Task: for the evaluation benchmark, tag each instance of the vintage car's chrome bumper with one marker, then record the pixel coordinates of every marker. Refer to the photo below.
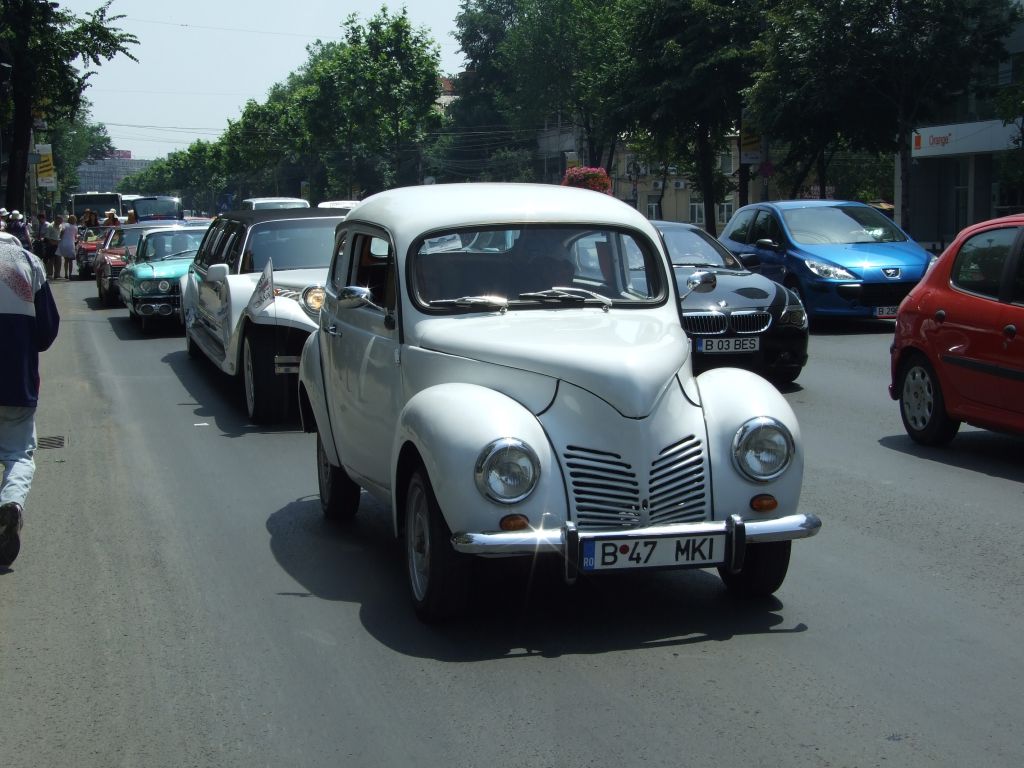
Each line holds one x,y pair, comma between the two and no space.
566,540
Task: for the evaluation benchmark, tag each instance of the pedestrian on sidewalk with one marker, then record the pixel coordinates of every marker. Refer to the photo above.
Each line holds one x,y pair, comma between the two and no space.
16,226
39,236
28,326
67,245
52,236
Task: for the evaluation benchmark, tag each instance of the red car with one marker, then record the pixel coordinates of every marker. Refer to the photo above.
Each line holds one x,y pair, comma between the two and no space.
958,353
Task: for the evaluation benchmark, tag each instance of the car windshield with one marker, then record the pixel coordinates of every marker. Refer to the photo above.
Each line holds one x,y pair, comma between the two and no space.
694,247
125,238
841,224
262,205
536,266
158,208
290,244
178,244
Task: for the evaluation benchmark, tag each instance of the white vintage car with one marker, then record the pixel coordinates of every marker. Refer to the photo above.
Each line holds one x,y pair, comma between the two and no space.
504,366
261,340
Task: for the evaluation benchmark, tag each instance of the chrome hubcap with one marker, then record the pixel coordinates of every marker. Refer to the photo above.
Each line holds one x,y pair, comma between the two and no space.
918,397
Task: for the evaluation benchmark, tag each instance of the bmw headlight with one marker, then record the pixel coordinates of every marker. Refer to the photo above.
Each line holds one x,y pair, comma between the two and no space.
163,286
146,286
826,270
507,471
762,449
313,298
794,314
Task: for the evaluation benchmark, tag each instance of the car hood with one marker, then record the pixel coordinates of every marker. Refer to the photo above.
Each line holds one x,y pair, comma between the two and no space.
860,256
626,358
296,279
733,290
171,269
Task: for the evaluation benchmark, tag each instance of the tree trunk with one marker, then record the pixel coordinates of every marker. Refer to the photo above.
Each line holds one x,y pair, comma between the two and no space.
706,174
822,191
903,137
17,162
742,176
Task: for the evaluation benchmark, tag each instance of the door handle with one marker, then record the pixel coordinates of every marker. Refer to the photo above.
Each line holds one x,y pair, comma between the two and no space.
1010,331
333,330
940,315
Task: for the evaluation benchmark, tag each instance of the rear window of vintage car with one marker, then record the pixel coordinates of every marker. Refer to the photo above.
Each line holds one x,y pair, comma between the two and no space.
290,244
529,265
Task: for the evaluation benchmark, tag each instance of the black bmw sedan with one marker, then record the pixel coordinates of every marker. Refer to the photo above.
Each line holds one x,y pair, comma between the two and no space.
746,321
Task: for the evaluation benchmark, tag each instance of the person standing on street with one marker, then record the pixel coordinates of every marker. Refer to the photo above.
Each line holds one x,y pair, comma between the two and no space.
28,325
39,236
67,245
16,226
52,237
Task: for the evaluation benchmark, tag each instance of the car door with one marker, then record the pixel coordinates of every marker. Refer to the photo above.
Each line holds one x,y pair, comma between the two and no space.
766,229
970,320
1010,355
213,305
360,354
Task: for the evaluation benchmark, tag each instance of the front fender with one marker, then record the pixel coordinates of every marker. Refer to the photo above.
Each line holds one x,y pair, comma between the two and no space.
449,425
313,397
731,396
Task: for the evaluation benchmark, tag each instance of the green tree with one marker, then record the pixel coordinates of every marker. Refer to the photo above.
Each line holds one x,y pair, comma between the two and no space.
44,42
76,141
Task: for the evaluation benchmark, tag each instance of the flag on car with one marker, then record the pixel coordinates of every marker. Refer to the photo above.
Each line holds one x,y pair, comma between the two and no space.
264,293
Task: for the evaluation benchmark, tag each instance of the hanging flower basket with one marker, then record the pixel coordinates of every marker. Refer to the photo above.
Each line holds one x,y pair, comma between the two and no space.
588,178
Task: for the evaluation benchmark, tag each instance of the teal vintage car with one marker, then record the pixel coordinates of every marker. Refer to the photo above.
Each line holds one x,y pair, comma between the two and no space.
150,282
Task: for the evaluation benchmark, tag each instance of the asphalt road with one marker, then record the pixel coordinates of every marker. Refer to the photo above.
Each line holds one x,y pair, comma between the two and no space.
180,602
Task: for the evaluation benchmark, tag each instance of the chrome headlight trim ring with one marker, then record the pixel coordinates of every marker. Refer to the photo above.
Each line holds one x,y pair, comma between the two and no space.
495,461
757,436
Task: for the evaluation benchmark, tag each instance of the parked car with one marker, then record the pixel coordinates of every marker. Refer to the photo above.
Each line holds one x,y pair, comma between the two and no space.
252,296
117,250
275,203
150,283
958,351
503,366
343,206
746,321
85,252
844,259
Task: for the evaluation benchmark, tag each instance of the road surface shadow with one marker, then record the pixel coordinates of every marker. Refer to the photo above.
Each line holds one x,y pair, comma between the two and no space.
517,608
127,329
988,453
218,398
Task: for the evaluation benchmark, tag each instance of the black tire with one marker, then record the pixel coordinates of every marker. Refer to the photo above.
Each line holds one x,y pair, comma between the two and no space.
266,393
438,575
764,569
109,297
922,407
191,347
339,495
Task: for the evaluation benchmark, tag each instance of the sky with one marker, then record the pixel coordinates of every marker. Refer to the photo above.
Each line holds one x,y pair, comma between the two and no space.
199,61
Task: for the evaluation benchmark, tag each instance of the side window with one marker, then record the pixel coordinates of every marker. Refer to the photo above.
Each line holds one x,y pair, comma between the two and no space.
1018,283
338,263
979,263
766,227
372,261
209,244
739,227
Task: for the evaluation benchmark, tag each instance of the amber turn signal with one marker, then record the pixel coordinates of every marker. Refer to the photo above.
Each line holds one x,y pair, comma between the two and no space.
764,502
515,523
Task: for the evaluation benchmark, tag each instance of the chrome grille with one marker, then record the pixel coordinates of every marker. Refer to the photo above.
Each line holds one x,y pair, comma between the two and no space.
607,492
750,321
705,323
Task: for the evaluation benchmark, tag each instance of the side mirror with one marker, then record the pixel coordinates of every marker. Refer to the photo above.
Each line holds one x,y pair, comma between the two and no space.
701,282
768,244
750,260
217,273
354,296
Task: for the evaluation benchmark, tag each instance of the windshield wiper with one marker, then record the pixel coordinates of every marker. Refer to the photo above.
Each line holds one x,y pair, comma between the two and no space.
494,302
567,295
178,255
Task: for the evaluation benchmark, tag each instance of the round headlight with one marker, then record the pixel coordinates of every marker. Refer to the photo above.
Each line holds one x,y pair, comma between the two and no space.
145,286
762,449
313,298
163,286
507,471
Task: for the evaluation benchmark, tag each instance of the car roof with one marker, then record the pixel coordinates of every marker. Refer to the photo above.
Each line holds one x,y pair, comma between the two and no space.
409,212
274,199
788,205
661,224
272,214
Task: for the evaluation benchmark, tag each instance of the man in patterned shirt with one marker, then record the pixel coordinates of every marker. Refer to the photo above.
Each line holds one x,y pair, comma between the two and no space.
28,325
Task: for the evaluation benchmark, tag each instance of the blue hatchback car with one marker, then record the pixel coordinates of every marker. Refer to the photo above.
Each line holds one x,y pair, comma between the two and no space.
845,259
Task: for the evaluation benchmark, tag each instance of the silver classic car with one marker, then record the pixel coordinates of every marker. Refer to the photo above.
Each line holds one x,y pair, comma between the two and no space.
504,367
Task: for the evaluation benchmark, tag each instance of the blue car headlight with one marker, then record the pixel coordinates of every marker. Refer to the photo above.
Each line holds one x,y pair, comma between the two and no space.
827,270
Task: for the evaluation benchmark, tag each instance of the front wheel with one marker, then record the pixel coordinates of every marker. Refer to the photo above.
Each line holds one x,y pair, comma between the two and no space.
922,406
438,575
266,395
764,569
339,495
